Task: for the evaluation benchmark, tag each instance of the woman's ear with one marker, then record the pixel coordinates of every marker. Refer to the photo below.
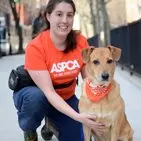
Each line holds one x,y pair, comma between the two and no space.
48,16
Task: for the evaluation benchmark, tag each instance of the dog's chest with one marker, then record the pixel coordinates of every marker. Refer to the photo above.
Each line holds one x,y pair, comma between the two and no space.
104,114
105,110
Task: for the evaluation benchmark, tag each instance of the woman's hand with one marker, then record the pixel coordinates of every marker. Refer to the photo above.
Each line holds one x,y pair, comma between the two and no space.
90,121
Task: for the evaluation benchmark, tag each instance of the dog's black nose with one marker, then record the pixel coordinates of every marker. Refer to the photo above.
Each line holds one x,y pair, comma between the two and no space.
105,76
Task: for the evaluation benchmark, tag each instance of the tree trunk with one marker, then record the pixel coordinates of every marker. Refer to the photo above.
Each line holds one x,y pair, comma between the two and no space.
95,12
17,25
106,22
92,11
0,47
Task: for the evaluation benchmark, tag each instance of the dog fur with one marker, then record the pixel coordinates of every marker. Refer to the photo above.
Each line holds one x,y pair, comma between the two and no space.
110,110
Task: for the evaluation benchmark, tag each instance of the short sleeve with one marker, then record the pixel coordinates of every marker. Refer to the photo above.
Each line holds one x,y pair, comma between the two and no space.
35,56
86,45
82,41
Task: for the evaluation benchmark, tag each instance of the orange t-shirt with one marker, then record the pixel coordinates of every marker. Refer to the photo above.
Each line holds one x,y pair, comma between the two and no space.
41,54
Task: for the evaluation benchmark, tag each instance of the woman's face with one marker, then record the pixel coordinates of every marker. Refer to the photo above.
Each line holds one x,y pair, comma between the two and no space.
61,19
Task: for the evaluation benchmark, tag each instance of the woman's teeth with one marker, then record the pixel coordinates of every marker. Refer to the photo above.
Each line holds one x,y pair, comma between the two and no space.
63,27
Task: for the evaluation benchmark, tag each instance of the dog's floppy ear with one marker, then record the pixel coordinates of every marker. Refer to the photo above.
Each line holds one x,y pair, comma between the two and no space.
116,52
86,54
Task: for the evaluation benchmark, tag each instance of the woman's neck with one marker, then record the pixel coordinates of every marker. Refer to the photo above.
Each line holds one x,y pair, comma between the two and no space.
59,42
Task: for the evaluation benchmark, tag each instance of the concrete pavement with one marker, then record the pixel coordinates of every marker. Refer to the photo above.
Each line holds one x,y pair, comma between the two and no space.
9,129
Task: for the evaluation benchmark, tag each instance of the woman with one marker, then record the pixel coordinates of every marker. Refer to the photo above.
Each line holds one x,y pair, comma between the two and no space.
53,60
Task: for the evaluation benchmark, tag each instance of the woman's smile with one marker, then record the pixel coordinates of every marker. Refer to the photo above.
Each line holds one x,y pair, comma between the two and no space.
63,28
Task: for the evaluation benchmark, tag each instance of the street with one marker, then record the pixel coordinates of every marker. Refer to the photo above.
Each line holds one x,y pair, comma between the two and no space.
9,129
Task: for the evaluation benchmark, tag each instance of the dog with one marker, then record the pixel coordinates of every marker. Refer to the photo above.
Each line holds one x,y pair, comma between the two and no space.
101,95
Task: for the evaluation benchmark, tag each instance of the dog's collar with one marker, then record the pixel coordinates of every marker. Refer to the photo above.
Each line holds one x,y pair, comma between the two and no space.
97,92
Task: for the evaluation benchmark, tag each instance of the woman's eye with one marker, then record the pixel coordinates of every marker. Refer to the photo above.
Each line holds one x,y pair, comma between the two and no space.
59,14
70,16
110,61
96,62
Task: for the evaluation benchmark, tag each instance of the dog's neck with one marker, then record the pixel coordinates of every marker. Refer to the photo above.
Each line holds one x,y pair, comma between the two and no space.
96,92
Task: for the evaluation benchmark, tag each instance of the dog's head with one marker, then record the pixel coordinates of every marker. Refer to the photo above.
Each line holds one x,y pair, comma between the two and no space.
100,63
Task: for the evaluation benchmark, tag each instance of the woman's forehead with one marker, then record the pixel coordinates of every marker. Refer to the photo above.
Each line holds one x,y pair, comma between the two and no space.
63,6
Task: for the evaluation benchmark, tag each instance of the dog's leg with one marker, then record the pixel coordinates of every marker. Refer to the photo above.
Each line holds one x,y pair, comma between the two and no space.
97,138
114,134
126,133
131,139
126,139
116,127
87,133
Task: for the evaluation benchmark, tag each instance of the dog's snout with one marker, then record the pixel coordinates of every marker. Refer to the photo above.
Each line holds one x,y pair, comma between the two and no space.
105,76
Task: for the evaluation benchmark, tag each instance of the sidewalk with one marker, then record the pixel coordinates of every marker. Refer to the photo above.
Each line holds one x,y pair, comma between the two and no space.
135,79
9,129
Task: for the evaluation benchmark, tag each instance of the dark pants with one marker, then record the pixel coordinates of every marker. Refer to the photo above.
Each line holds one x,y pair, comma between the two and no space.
32,107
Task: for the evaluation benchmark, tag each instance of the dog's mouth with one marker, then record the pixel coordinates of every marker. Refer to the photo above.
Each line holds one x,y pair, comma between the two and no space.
103,79
102,82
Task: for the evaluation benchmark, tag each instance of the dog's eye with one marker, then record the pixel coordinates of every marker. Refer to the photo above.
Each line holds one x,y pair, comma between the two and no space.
110,61
96,62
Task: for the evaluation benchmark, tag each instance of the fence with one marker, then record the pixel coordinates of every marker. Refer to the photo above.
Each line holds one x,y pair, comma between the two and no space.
128,39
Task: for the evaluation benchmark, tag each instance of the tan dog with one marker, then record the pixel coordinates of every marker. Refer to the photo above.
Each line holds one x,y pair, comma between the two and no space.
101,95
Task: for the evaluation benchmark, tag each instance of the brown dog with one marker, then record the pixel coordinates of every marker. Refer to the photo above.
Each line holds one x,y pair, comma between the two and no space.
101,95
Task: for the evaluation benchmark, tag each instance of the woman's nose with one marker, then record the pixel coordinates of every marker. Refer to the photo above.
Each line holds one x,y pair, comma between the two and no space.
64,19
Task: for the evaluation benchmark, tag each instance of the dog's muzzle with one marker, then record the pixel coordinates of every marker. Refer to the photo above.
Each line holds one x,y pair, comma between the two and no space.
105,76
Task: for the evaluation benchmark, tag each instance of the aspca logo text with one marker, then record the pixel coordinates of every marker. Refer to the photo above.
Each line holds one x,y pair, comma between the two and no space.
61,66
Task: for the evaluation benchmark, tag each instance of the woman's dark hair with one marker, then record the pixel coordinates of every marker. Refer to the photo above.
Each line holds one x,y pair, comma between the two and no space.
71,38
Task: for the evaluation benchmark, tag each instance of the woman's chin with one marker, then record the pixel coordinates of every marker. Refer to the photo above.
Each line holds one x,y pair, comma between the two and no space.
63,33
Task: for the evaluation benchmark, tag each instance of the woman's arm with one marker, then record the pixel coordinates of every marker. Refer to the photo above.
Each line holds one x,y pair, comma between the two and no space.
43,81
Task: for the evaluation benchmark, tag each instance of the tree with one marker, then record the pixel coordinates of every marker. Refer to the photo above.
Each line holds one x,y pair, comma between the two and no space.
100,19
17,24
106,22
94,8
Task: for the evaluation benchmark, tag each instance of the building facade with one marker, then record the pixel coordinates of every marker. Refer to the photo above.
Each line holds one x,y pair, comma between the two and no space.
4,7
133,10
122,12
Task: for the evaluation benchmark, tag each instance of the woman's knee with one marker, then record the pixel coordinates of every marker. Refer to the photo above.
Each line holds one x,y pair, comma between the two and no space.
29,98
34,95
30,108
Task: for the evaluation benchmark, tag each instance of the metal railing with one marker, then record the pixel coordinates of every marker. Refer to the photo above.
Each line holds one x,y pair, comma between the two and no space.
128,38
